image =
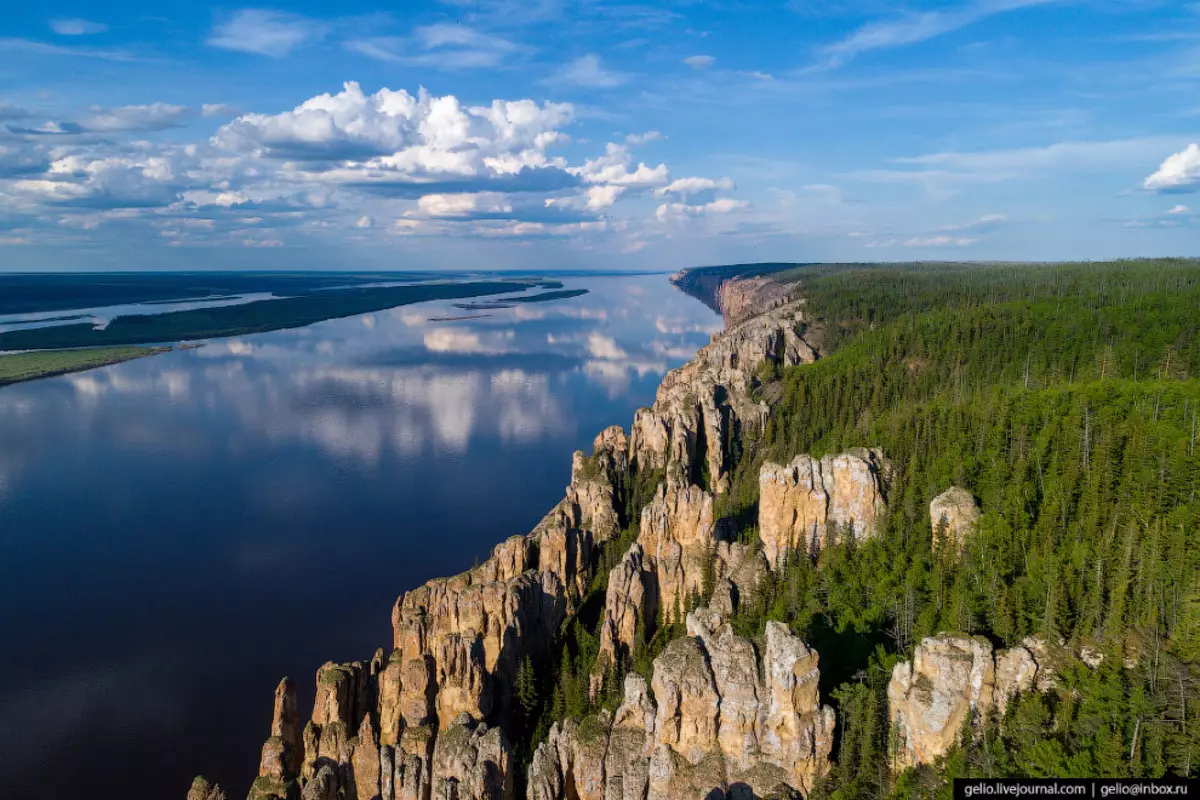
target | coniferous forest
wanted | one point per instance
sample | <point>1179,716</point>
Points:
<point>1066,399</point>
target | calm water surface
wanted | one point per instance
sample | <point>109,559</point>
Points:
<point>178,533</point>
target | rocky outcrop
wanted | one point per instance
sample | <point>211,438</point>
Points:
<point>677,536</point>
<point>956,681</point>
<point>739,572</point>
<point>571,761</point>
<point>736,292</point>
<point>953,515</point>
<point>722,718</point>
<point>704,405</point>
<point>630,605</point>
<point>805,503</point>
<point>472,762</point>
<point>203,790</point>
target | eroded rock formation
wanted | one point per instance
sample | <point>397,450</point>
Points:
<point>803,504</point>
<point>723,718</point>
<point>705,404</point>
<point>677,535</point>
<point>956,681</point>
<point>203,790</point>
<point>953,515</point>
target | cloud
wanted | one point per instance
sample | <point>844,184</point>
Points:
<point>614,168</point>
<point>418,137</point>
<point>464,205</point>
<point>987,222</point>
<point>1180,209</point>
<point>692,186</point>
<point>265,32</point>
<point>49,128</point>
<point>699,62</point>
<point>33,47</point>
<point>209,110</point>
<point>949,168</point>
<point>604,347</point>
<point>446,46</point>
<point>1178,173</point>
<point>74,26</point>
<point>340,167</point>
<point>21,160</point>
<point>153,117</point>
<point>924,241</point>
<point>587,71</point>
<point>724,205</point>
<point>636,139</point>
<point>104,183</point>
<point>915,27</point>
<point>601,197</point>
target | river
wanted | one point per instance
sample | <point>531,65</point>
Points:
<point>181,531</point>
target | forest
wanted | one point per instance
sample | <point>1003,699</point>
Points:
<point>1065,398</point>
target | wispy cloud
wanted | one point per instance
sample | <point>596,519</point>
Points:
<point>588,71</point>
<point>265,32</point>
<point>74,26</point>
<point>152,117</point>
<point>36,48</point>
<point>938,171</point>
<point>441,46</point>
<point>912,28</point>
<point>988,222</point>
<point>699,62</point>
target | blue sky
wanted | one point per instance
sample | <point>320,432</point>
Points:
<point>577,133</point>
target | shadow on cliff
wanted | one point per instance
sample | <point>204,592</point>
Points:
<point>743,791</point>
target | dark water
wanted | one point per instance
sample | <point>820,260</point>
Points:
<point>178,533</point>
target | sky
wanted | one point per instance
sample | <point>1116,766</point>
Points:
<point>559,134</point>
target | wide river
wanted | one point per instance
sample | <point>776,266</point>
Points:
<point>179,532</point>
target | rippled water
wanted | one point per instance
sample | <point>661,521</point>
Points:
<point>179,532</point>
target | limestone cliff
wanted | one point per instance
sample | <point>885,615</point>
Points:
<point>953,515</point>
<point>803,504</point>
<point>954,682</point>
<point>724,720</point>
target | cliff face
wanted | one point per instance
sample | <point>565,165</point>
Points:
<point>805,503</point>
<point>735,292</point>
<point>722,720</point>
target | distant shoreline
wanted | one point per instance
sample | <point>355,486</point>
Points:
<point>35,365</point>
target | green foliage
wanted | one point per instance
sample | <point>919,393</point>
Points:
<point>17,367</point>
<point>1065,398</point>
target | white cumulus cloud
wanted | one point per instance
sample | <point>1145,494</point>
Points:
<point>1178,173</point>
